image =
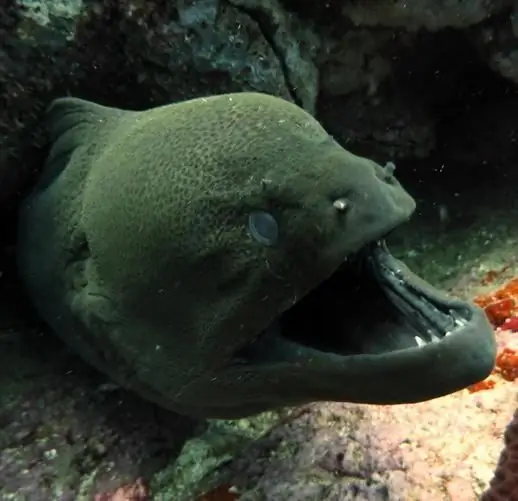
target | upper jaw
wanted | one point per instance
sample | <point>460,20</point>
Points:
<point>416,374</point>
<point>433,313</point>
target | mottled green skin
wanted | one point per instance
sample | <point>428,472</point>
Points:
<point>135,249</point>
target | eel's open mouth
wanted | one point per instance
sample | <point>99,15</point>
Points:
<point>371,305</point>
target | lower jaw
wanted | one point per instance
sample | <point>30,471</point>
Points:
<point>469,345</point>
<point>401,376</point>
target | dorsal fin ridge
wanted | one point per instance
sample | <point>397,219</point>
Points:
<point>70,122</point>
<point>65,113</point>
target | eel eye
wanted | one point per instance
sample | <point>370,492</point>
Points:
<point>263,227</point>
<point>341,204</point>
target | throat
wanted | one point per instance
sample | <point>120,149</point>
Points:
<point>348,314</point>
<point>369,306</point>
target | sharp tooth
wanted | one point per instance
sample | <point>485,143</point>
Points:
<point>433,336</point>
<point>459,321</point>
<point>447,333</point>
<point>420,342</point>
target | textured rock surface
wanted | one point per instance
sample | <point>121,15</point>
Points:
<point>440,450</point>
<point>379,88</point>
<point>295,44</point>
<point>504,485</point>
<point>497,39</point>
<point>429,14</point>
<point>132,54</point>
<point>66,433</point>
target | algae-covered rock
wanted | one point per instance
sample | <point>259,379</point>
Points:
<point>66,433</point>
<point>132,54</point>
<point>430,14</point>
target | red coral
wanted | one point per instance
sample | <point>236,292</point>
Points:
<point>501,307</point>
<point>504,485</point>
<point>137,491</point>
<point>501,304</point>
<point>507,364</point>
<point>485,384</point>
<point>511,324</point>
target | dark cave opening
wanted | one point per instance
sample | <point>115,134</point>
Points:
<point>473,109</point>
<point>470,110</point>
<point>323,13</point>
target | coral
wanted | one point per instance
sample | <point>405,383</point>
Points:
<point>501,307</point>
<point>507,363</point>
<point>504,485</point>
<point>137,491</point>
<point>511,324</point>
<point>441,450</point>
<point>501,304</point>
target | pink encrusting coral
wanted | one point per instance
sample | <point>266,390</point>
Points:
<point>501,307</point>
<point>504,485</point>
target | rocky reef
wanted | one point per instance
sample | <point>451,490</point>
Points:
<point>431,85</point>
<point>384,78</point>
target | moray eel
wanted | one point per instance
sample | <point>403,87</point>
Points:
<point>225,255</point>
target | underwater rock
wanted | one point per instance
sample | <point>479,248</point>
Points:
<point>132,54</point>
<point>389,125</point>
<point>430,14</point>
<point>336,452</point>
<point>497,40</point>
<point>66,433</point>
<point>358,60</point>
<point>362,101</point>
<point>380,60</point>
<point>504,485</point>
<point>294,41</point>
<point>136,54</point>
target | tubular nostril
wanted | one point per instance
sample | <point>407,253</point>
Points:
<point>388,173</point>
<point>390,168</point>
